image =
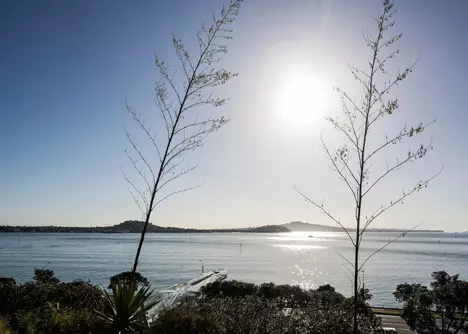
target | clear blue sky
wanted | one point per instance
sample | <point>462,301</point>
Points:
<point>67,68</point>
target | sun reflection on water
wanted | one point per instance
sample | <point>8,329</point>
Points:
<point>299,247</point>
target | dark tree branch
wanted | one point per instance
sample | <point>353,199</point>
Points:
<point>398,138</point>
<point>325,212</point>
<point>145,130</point>
<point>176,176</point>
<point>344,258</point>
<point>339,171</point>
<point>420,153</point>
<point>175,193</point>
<point>138,150</point>
<point>387,244</point>
<point>420,185</point>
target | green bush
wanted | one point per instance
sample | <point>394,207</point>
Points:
<point>45,276</point>
<point>233,307</point>
<point>186,319</point>
<point>4,328</point>
<point>229,307</point>
<point>53,320</point>
<point>229,289</point>
<point>34,295</point>
<point>8,295</point>
<point>286,295</point>
<point>48,305</point>
<point>125,278</point>
<point>441,309</point>
<point>257,315</point>
<point>68,320</point>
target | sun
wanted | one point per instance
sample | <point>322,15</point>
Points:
<point>302,99</point>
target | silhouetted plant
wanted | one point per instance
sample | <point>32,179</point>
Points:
<point>125,310</point>
<point>125,278</point>
<point>7,281</point>
<point>354,160</point>
<point>326,287</point>
<point>8,295</point>
<point>229,289</point>
<point>441,309</point>
<point>185,130</point>
<point>45,276</point>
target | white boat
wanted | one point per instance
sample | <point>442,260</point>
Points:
<point>177,293</point>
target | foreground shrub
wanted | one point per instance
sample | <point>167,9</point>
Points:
<point>249,314</point>
<point>229,289</point>
<point>234,307</point>
<point>49,306</point>
<point>4,328</point>
<point>188,318</point>
<point>57,320</point>
<point>78,294</point>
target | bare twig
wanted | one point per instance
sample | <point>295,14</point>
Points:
<point>419,186</point>
<point>344,258</point>
<point>325,212</point>
<point>401,235</point>
<point>420,153</point>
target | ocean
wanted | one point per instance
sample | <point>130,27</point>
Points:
<point>292,258</point>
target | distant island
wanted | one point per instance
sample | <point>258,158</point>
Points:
<point>135,226</point>
<point>298,226</point>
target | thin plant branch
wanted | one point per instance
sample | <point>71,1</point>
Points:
<point>176,103</point>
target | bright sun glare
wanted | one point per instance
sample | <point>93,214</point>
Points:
<point>302,100</point>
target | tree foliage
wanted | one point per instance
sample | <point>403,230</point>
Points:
<point>125,278</point>
<point>45,276</point>
<point>441,309</point>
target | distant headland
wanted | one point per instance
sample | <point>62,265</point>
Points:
<point>135,226</point>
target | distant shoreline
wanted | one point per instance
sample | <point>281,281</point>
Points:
<point>211,232</point>
<point>134,226</point>
<point>298,226</point>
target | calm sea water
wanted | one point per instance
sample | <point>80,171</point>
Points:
<point>293,258</point>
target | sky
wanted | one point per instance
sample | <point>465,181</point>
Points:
<point>67,69</point>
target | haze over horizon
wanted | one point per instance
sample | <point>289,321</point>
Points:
<point>68,68</point>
